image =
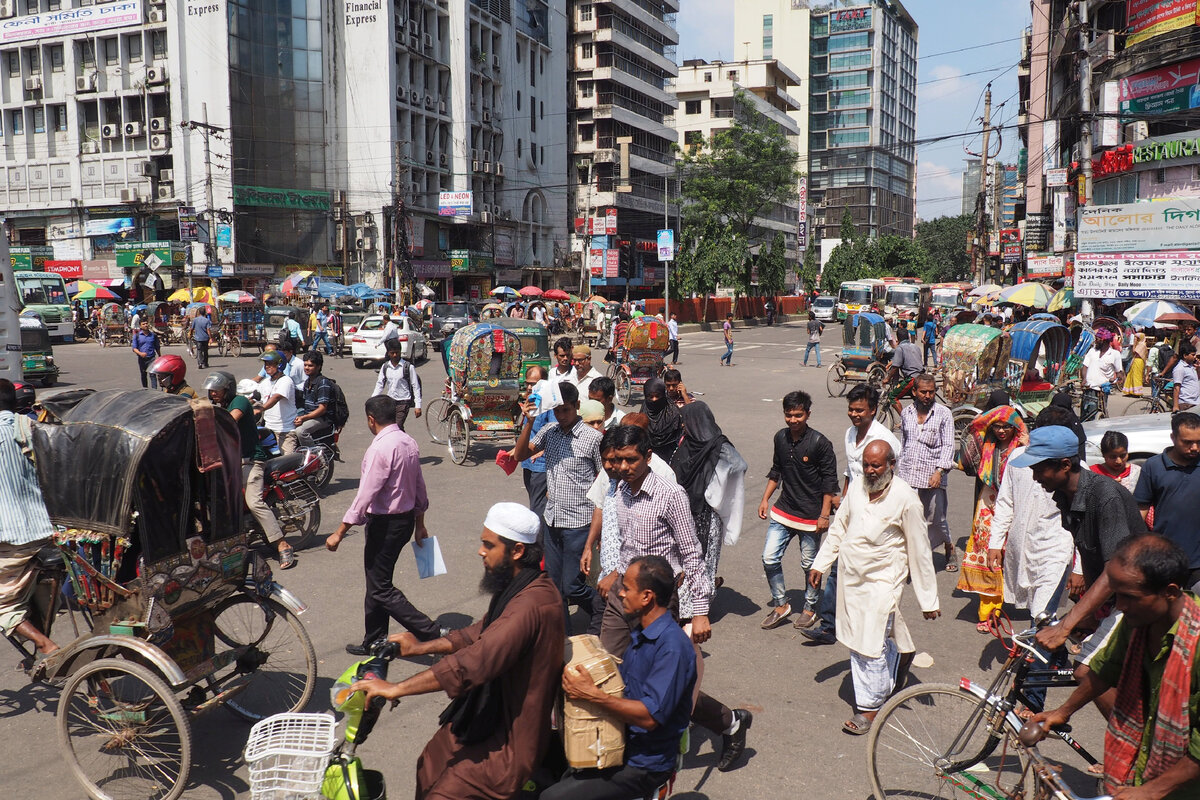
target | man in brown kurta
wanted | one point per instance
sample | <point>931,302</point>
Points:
<point>517,648</point>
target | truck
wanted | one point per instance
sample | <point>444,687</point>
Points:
<point>10,317</point>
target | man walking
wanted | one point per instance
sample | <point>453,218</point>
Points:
<point>815,329</point>
<point>398,380</point>
<point>804,464</point>
<point>533,469</point>
<point>145,347</point>
<point>879,541</point>
<point>727,328</point>
<point>1170,484</point>
<point>1187,383</point>
<point>319,322</point>
<point>391,501</point>
<point>929,334</point>
<point>201,335</point>
<point>1102,370</point>
<point>672,339</point>
<point>926,458</point>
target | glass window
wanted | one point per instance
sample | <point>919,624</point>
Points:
<point>135,47</point>
<point>56,58</point>
<point>693,137</point>
<point>849,138</point>
<point>708,77</point>
<point>111,51</point>
<point>586,88</point>
<point>860,97</point>
<point>31,6</point>
<point>854,60</point>
<point>691,107</point>
<point>586,50</point>
<point>87,53</point>
<point>585,12</point>
<point>158,44</point>
<point>35,61</point>
<point>18,122</point>
<point>39,119</point>
<point>14,63</point>
<point>849,80</point>
<point>732,74</point>
<point>586,133</point>
<point>60,117</point>
<point>849,41</point>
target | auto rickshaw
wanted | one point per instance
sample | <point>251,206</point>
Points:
<point>114,325</point>
<point>535,340</point>
<point>865,354</point>
<point>37,353</point>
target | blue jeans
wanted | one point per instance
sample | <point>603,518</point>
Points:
<point>728,357</point>
<point>321,336</point>
<point>809,348</point>
<point>827,607</point>
<point>778,539</point>
<point>930,350</point>
<point>564,548</point>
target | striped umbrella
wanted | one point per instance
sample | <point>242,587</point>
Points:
<point>293,281</point>
<point>237,296</point>
<point>1063,298</point>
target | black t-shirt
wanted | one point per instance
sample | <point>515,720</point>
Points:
<point>806,470</point>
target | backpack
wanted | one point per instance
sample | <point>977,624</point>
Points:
<point>339,415</point>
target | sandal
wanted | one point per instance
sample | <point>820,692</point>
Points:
<point>983,627</point>
<point>952,563</point>
<point>287,557</point>
<point>857,725</point>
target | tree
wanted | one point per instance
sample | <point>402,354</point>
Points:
<point>896,255</point>
<point>710,253</point>
<point>772,267</point>
<point>847,231</point>
<point>808,269</point>
<point>945,241</point>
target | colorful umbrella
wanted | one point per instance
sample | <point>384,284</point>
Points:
<point>95,293</point>
<point>1175,317</point>
<point>180,296</point>
<point>194,306</point>
<point>75,287</point>
<point>1030,293</point>
<point>203,294</point>
<point>987,288</point>
<point>293,281</point>
<point>1064,298</point>
<point>531,291</point>
<point>504,291</point>
<point>573,298</point>
<point>1146,313</point>
<point>555,294</point>
<point>237,296</point>
<point>988,299</point>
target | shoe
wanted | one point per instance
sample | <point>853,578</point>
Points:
<point>807,620</point>
<point>777,617</point>
<point>734,744</point>
<point>357,649</point>
<point>287,558</point>
<point>818,636</point>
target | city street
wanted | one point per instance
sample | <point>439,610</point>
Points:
<point>800,693</point>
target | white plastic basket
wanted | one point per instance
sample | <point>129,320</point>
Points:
<point>287,755</point>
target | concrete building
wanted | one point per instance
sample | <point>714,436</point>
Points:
<point>305,123</point>
<point>972,185</point>
<point>707,95</point>
<point>621,85</point>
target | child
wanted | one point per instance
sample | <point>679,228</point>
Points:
<point>1115,448</point>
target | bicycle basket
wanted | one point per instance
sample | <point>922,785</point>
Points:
<point>287,755</point>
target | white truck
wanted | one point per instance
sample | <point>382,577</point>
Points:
<point>10,317</point>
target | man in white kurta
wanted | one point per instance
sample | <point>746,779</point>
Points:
<point>879,540</point>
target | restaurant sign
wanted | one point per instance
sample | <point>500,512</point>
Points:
<point>1173,225</point>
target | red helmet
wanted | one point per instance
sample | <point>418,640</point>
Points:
<point>25,397</point>
<point>170,371</point>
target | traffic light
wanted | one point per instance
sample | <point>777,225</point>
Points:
<point>625,259</point>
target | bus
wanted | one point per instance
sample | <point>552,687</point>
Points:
<point>860,295</point>
<point>949,295</point>
<point>906,297</point>
<point>45,293</point>
<point>10,318</point>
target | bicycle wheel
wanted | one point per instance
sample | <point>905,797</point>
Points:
<point>124,733</point>
<point>908,748</point>
<point>877,377</point>
<point>235,346</point>
<point>887,416</point>
<point>835,380</point>
<point>458,435</point>
<point>1143,406</point>
<point>624,387</point>
<point>279,664</point>
<point>436,414</point>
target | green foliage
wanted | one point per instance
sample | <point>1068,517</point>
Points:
<point>772,267</point>
<point>945,241</point>
<point>808,269</point>
<point>847,233</point>
<point>711,253</point>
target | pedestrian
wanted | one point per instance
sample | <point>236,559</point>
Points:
<point>815,329</point>
<point>563,369</point>
<point>1102,370</point>
<point>1135,380</point>
<point>398,380</point>
<point>926,458</point>
<point>990,440</point>
<point>659,673</point>
<point>200,327</point>
<point>879,540</point>
<point>319,323</point>
<point>769,310</point>
<point>533,469</point>
<point>604,390</point>
<point>292,330</point>
<point>1187,384</point>
<point>1150,666</point>
<point>1170,484</point>
<point>502,674</point>
<point>592,414</point>
<point>278,404</point>
<point>584,372</point>
<point>666,426</point>
<point>572,453</point>
<point>314,418</point>
<point>676,391</point>
<point>391,502</point>
<point>727,330</point>
<point>929,336</point>
<point>904,368</point>
<point>1114,447</point>
<point>145,346</point>
<point>334,324</point>
<point>672,339</point>
<point>391,331</point>
<point>804,464</point>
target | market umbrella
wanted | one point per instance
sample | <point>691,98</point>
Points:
<point>988,299</point>
<point>293,281</point>
<point>1175,317</point>
<point>597,300</point>
<point>504,291</point>
<point>180,296</point>
<point>95,293</point>
<point>987,288</point>
<point>203,294</point>
<point>195,306</point>
<point>531,291</point>
<point>1063,298</point>
<point>573,298</point>
<point>75,287</point>
<point>237,296</point>
<point>1030,293</point>
<point>555,294</point>
<point>1146,313</point>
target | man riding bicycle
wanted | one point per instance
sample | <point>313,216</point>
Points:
<point>907,364</point>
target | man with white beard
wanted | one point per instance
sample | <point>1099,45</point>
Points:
<point>879,541</point>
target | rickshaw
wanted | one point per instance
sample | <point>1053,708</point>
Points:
<point>535,341</point>
<point>864,357</point>
<point>1036,343</point>
<point>974,362</point>
<point>591,315</point>
<point>37,353</point>
<point>114,325</point>
<point>242,325</point>
<point>160,314</point>
<point>172,614</point>
<point>640,357</point>
<point>481,398</point>
<point>492,311</point>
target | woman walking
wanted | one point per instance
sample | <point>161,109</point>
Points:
<point>666,425</point>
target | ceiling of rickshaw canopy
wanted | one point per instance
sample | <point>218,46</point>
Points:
<point>115,452</point>
<point>482,350</point>
<point>1026,336</point>
<point>866,316</point>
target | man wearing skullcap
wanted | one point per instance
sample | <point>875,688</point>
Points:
<point>502,673</point>
<point>585,373</point>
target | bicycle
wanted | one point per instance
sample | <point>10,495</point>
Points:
<point>947,741</point>
<point>1159,401</point>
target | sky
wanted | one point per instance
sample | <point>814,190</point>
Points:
<point>950,85</point>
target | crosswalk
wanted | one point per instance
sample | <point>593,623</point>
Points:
<point>716,346</point>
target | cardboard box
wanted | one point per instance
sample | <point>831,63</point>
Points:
<point>591,737</point>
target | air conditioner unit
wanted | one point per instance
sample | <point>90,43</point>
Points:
<point>430,101</point>
<point>495,62</point>
<point>166,191</point>
<point>475,155</point>
<point>506,215</point>
<point>1136,131</point>
<point>160,141</point>
<point>85,83</point>
<point>427,41</point>
<point>339,237</point>
<point>133,129</point>
<point>477,166</point>
<point>444,160</point>
<point>8,8</point>
<point>487,167</point>
<point>414,42</point>
<point>129,195</point>
<point>401,93</point>
<point>146,169</point>
<point>414,27</point>
<point>111,131</point>
<point>158,125</point>
<point>156,74</point>
<point>156,15</point>
<point>33,84</point>
<point>485,217</point>
<point>166,175</point>
<point>415,189</point>
<point>90,147</point>
<point>487,155</point>
<point>496,209</point>
<point>429,154</point>
<point>399,35</point>
<point>487,118</point>
<point>499,170</point>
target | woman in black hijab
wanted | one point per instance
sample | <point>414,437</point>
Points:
<point>666,425</point>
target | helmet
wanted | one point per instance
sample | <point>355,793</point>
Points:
<point>170,371</point>
<point>271,357</point>
<point>25,397</point>
<point>247,387</point>
<point>221,382</point>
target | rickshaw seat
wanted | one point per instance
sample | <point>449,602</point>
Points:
<point>49,556</point>
<point>284,463</point>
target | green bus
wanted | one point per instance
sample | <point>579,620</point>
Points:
<point>45,293</point>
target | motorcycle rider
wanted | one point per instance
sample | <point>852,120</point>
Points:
<point>221,390</point>
<point>170,371</point>
<point>314,419</point>
<point>278,405</point>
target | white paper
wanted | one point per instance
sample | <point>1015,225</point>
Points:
<point>429,558</point>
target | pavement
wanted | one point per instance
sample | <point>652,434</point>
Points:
<point>800,693</point>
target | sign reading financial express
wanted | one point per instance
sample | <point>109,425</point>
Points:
<point>1138,276</point>
<point>1138,227</point>
<point>70,20</point>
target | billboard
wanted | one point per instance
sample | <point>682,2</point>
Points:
<point>455,204</point>
<point>1046,266</point>
<point>1162,90</point>
<point>1138,276</point>
<point>108,227</point>
<point>1150,18</point>
<point>71,21</point>
<point>1173,225</point>
<point>850,19</point>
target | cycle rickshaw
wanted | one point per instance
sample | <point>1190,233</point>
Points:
<point>172,614</point>
<point>974,362</point>
<point>640,357</point>
<point>114,325</point>
<point>161,314</point>
<point>865,354</point>
<point>481,399</point>
<point>242,325</point>
<point>535,341</point>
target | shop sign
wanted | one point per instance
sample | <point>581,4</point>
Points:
<point>851,19</point>
<point>431,269</point>
<point>1044,266</point>
<point>1056,177</point>
<point>455,204</point>
<point>1012,253</point>
<point>1166,151</point>
<point>1037,231</point>
<point>1173,225</point>
<point>254,270</point>
<point>1149,18</point>
<point>108,227</point>
<point>266,197</point>
<point>604,262</point>
<point>1115,161</point>
<point>1171,275</point>
<point>132,255</point>
<point>470,261</point>
<point>71,21</point>
<point>30,258</point>
<point>70,270</point>
<point>1162,90</point>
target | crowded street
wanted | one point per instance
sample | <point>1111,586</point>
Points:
<point>799,692</point>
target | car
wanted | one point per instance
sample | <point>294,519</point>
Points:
<point>366,342</point>
<point>276,317</point>
<point>448,317</point>
<point>1148,434</point>
<point>824,307</point>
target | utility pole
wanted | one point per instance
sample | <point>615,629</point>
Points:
<point>1085,104</point>
<point>666,264</point>
<point>396,220</point>
<point>981,248</point>
<point>210,247</point>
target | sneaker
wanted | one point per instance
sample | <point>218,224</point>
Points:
<point>734,744</point>
<point>777,617</point>
<point>818,636</point>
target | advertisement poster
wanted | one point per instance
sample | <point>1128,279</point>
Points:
<point>455,204</point>
<point>1039,267</point>
<point>1064,219</point>
<point>1137,227</point>
<point>1163,90</point>
<point>1138,276</point>
<point>70,21</point>
<point>1149,18</point>
<point>666,245</point>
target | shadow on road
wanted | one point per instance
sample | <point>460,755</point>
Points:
<point>730,601</point>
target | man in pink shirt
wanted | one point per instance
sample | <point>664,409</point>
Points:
<point>391,501</point>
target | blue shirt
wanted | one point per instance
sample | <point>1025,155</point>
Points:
<point>146,343</point>
<point>540,421</point>
<point>659,670</point>
<point>1174,492</point>
<point>200,326</point>
<point>930,332</point>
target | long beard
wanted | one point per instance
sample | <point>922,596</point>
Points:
<point>495,581</point>
<point>879,483</point>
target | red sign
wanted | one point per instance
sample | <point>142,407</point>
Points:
<point>70,270</point>
<point>598,226</point>
<point>1113,161</point>
<point>1149,18</point>
<point>1165,79</point>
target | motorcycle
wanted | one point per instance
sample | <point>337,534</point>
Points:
<point>289,490</point>
<point>327,443</point>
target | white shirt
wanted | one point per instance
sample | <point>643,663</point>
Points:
<point>295,371</point>
<point>854,450</point>
<point>539,314</point>
<point>586,381</point>
<point>1102,368</point>
<point>672,330</point>
<point>615,420</point>
<point>281,417</point>
<point>399,382</point>
<point>390,331</point>
<point>559,377</point>
<point>135,321</point>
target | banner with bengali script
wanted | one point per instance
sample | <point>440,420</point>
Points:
<point>1137,227</point>
<point>1138,276</point>
<point>1149,18</point>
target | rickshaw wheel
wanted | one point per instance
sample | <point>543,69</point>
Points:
<point>886,415</point>
<point>124,732</point>
<point>235,348</point>
<point>280,663</point>
<point>963,416</point>
<point>436,420</point>
<point>876,377</point>
<point>222,347</point>
<point>624,388</point>
<point>835,380</point>
<point>458,434</point>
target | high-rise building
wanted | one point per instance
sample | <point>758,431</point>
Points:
<point>972,185</point>
<point>621,97</point>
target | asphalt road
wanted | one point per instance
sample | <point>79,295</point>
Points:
<point>800,693</point>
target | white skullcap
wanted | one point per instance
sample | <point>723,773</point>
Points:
<point>514,522</point>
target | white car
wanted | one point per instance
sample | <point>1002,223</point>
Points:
<point>824,307</point>
<point>366,341</point>
<point>1148,434</point>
